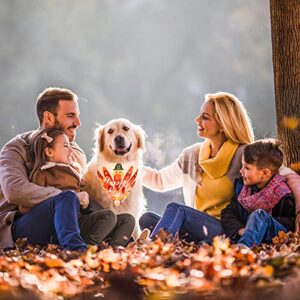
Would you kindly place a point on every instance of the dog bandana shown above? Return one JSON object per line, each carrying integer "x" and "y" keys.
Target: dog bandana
{"x": 117, "y": 180}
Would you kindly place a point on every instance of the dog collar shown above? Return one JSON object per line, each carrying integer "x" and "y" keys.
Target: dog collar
{"x": 117, "y": 179}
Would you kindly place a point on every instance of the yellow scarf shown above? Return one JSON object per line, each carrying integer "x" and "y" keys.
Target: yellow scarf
{"x": 215, "y": 190}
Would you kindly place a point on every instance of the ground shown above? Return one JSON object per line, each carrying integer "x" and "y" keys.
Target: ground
{"x": 162, "y": 269}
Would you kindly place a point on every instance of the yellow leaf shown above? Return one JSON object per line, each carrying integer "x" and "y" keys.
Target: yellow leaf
{"x": 268, "y": 271}
{"x": 290, "y": 123}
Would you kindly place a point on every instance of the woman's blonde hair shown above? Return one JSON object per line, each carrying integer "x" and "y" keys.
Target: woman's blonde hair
{"x": 232, "y": 116}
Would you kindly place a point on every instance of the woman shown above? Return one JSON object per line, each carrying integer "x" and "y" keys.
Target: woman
{"x": 206, "y": 172}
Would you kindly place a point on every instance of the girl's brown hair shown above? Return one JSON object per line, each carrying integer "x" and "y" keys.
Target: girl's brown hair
{"x": 38, "y": 142}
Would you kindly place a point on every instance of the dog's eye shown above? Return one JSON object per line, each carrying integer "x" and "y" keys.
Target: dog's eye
{"x": 110, "y": 131}
{"x": 125, "y": 128}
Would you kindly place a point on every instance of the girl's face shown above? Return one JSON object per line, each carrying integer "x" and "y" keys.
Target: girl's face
{"x": 208, "y": 126}
{"x": 61, "y": 152}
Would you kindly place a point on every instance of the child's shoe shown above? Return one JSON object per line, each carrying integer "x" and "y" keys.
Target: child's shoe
{"x": 144, "y": 236}
{"x": 241, "y": 246}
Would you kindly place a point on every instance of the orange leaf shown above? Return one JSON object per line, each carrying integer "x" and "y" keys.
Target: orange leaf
{"x": 295, "y": 166}
{"x": 53, "y": 262}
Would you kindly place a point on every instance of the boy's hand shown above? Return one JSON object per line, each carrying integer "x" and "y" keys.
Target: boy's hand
{"x": 83, "y": 199}
{"x": 241, "y": 231}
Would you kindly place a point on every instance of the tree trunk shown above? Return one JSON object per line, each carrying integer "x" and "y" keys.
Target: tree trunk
{"x": 285, "y": 26}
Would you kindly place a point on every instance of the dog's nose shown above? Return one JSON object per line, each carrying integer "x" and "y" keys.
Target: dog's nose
{"x": 119, "y": 139}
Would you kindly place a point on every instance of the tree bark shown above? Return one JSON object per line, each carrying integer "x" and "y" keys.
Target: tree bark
{"x": 285, "y": 26}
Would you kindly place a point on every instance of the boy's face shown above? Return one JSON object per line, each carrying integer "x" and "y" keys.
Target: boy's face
{"x": 251, "y": 175}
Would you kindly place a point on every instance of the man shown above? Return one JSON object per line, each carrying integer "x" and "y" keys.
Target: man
{"x": 53, "y": 214}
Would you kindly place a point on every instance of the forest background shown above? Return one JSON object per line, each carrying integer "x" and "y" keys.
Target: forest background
{"x": 150, "y": 61}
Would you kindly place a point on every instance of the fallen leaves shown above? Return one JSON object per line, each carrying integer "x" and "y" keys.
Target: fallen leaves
{"x": 163, "y": 266}
{"x": 295, "y": 166}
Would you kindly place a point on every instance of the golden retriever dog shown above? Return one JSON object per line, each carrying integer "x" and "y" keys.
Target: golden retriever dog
{"x": 113, "y": 175}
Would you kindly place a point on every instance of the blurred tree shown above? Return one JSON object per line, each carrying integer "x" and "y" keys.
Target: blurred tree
{"x": 285, "y": 25}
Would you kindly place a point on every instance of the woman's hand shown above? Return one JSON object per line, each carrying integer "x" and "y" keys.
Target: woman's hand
{"x": 83, "y": 199}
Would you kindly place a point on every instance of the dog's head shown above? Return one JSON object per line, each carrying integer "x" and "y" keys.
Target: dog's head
{"x": 120, "y": 140}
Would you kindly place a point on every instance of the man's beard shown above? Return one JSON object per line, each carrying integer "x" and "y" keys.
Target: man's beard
{"x": 70, "y": 136}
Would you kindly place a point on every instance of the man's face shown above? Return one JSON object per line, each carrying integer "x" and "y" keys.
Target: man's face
{"x": 67, "y": 118}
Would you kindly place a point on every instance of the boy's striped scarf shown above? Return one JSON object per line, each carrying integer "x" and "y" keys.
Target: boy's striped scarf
{"x": 267, "y": 198}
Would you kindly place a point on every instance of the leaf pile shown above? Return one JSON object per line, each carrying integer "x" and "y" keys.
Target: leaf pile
{"x": 164, "y": 266}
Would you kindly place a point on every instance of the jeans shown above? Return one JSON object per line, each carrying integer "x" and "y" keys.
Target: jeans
{"x": 192, "y": 224}
{"x": 149, "y": 220}
{"x": 260, "y": 227}
{"x": 98, "y": 224}
{"x": 121, "y": 233}
{"x": 54, "y": 221}
{"x": 95, "y": 226}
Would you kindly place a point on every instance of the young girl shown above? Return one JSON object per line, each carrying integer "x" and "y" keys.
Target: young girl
{"x": 263, "y": 204}
{"x": 50, "y": 162}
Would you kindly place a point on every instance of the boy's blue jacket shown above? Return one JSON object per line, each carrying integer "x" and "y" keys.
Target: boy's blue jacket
{"x": 234, "y": 216}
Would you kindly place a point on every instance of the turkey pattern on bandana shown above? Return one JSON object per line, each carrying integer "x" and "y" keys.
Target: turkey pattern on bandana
{"x": 117, "y": 180}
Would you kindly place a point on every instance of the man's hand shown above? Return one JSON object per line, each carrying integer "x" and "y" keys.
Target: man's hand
{"x": 83, "y": 199}
{"x": 297, "y": 222}
{"x": 241, "y": 231}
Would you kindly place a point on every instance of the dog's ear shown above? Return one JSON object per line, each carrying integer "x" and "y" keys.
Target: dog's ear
{"x": 99, "y": 138}
{"x": 140, "y": 136}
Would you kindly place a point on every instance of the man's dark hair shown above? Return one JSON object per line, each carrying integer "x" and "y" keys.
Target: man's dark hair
{"x": 48, "y": 100}
{"x": 264, "y": 153}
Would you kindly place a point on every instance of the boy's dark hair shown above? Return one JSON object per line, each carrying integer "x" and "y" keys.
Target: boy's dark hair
{"x": 264, "y": 153}
{"x": 48, "y": 100}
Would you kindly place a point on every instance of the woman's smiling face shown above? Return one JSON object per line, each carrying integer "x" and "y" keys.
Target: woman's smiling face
{"x": 208, "y": 126}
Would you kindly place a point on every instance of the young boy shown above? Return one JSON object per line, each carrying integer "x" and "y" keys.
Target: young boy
{"x": 263, "y": 204}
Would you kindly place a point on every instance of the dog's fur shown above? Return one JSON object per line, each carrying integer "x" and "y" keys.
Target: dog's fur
{"x": 107, "y": 148}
